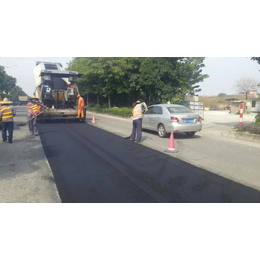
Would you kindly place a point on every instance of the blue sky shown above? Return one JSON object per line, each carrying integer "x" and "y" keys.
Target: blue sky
{"x": 23, "y": 72}
{"x": 223, "y": 72}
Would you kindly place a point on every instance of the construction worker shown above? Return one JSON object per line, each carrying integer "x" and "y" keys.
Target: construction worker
{"x": 137, "y": 112}
{"x": 80, "y": 106}
{"x": 34, "y": 107}
{"x": 7, "y": 114}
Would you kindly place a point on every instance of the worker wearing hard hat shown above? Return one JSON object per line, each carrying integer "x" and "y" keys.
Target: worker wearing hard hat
{"x": 138, "y": 108}
{"x": 7, "y": 114}
{"x": 80, "y": 106}
{"x": 34, "y": 107}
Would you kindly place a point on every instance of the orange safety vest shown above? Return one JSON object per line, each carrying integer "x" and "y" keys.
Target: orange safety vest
{"x": 7, "y": 114}
{"x": 135, "y": 112}
{"x": 35, "y": 108}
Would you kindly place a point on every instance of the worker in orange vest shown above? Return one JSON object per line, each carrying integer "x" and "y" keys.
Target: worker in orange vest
{"x": 80, "y": 106}
{"x": 7, "y": 114}
{"x": 34, "y": 107}
{"x": 137, "y": 112}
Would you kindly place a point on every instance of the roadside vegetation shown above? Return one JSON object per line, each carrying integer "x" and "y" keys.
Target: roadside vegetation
{"x": 253, "y": 128}
{"x": 122, "y": 112}
{"x": 8, "y": 87}
{"x": 218, "y": 101}
{"x": 213, "y": 101}
{"x": 120, "y": 81}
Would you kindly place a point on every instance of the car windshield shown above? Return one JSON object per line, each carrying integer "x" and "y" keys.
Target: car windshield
{"x": 177, "y": 110}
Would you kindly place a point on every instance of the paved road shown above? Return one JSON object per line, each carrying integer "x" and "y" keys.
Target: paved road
{"x": 226, "y": 156}
{"x": 92, "y": 165}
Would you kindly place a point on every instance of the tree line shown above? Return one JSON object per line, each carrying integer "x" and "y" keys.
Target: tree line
{"x": 119, "y": 81}
{"x": 8, "y": 87}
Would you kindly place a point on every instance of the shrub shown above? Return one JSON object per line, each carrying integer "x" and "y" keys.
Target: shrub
{"x": 105, "y": 106}
{"x": 115, "y": 111}
{"x": 123, "y": 112}
{"x": 257, "y": 119}
{"x": 253, "y": 129}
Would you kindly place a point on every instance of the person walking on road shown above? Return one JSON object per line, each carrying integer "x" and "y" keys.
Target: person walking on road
{"x": 137, "y": 112}
{"x": 7, "y": 114}
{"x": 34, "y": 107}
{"x": 80, "y": 106}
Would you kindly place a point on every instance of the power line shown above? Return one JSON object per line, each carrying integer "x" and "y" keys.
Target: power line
{"x": 8, "y": 67}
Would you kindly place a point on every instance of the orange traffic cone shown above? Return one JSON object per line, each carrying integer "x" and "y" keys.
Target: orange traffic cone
{"x": 93, "y": 119}
{"x": 171, "y": 147}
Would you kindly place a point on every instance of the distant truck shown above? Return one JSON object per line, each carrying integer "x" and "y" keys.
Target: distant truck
{"x": 23, "y": 100}
{"x": 56, "y": 89}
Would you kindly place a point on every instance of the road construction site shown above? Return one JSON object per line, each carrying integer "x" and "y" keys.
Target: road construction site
{"x": 217, "y": 148}
{"x": 88, "y": 162}
{"x": 96, "y": 164}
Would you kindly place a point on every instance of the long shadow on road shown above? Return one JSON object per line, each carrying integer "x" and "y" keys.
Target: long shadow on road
{"x": 93, "y": 165}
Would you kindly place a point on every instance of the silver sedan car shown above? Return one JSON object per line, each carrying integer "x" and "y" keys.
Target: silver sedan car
{"x": 171, "y": 118}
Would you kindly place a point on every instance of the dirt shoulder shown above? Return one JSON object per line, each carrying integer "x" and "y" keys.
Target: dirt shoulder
{"x": 223, "y": 124}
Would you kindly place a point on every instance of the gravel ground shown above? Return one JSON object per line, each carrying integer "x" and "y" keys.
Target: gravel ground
{"x": 25, "y": 175}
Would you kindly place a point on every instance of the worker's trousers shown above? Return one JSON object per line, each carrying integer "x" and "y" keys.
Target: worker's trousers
{"x": 33, "y": 125}
{"x": 80, "y": 112}
{"x": 8, "y": 126}
{"x": 137, "y": 130}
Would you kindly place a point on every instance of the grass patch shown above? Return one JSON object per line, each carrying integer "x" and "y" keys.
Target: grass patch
{"x": 123, "y": 111}
{"x": 253, "y": 129}
{"x": 257, "y": 119}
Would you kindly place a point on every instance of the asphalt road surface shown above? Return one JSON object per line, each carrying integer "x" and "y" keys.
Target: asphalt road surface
{"x": 92, "y": 165}
{"x": 212, "y": 149}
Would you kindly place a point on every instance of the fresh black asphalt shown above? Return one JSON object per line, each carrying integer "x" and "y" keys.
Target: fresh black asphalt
{"x": 92, "y": 165}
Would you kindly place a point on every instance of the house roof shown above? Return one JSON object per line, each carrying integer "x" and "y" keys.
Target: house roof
{"x": 254, "y": 99}
{"x": 237, "y": 101}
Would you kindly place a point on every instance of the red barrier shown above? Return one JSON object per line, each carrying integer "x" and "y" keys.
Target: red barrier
{"x": 93, "y": 119}
{"x": 241, "y": 114}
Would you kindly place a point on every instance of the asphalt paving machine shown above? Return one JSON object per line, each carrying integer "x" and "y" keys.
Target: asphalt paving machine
{"x": 56, "y": 89}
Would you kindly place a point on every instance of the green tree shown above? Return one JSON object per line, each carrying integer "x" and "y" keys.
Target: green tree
{"x": 102, "y": 76}
{"x": 256, "y": 59}
{"x": 112, "y": 71}
{"x": 15, "y": 92}
{"x": 222, "y": 95}
{"x": 132, "y": 76}
{"x": 165, "y": 79}
{"x": 151, "y": 79}
{"x": 89, "y": 82}
{"x": 6, "y": 82}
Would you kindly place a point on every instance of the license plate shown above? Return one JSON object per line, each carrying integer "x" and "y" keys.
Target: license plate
{"x": 188, "y": 121}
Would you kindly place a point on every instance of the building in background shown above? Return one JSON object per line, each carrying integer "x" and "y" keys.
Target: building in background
{"x": 255, "y": 105}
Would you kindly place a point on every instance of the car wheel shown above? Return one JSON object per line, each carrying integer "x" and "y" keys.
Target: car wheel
{"x": 190, "y": 134}
{"x": 161, "y": 131}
